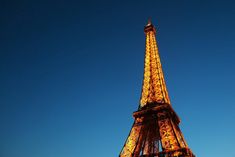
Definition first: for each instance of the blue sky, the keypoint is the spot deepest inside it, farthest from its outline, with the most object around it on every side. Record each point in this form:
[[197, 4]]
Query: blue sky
[[71, 74]]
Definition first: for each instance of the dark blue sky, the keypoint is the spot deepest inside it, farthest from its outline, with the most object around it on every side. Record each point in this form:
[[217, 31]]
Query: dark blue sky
[[71, 74]]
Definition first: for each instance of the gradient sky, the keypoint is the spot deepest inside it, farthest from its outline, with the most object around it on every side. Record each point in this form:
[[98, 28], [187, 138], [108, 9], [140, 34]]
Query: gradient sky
[[71, 74]]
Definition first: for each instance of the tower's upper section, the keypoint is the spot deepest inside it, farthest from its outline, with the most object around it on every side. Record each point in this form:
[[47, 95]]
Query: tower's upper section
[[154, 89]]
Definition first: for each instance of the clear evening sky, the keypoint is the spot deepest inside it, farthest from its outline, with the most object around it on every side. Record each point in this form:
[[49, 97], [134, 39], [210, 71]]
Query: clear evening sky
[[71, 74]]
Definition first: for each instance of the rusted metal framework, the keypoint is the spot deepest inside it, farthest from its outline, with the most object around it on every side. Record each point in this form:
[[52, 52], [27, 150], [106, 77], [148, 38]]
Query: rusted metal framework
[[155, 132]]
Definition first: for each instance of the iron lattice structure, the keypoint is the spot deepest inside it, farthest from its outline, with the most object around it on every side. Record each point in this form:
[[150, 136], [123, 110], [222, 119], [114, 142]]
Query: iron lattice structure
[[155, 132]]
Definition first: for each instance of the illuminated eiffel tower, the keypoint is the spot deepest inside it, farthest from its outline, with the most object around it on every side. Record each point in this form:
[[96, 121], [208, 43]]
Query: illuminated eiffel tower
[[155, 132]]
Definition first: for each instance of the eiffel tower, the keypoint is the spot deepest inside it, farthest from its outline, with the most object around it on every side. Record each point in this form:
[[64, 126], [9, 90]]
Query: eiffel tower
[[155, 132]]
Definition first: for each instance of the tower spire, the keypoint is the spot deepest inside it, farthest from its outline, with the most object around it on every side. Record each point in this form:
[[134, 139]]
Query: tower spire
[[149, 21], [154, 87]]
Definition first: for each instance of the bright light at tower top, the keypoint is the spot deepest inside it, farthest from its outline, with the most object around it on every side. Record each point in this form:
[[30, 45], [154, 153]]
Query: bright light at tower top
[[149, 27]]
